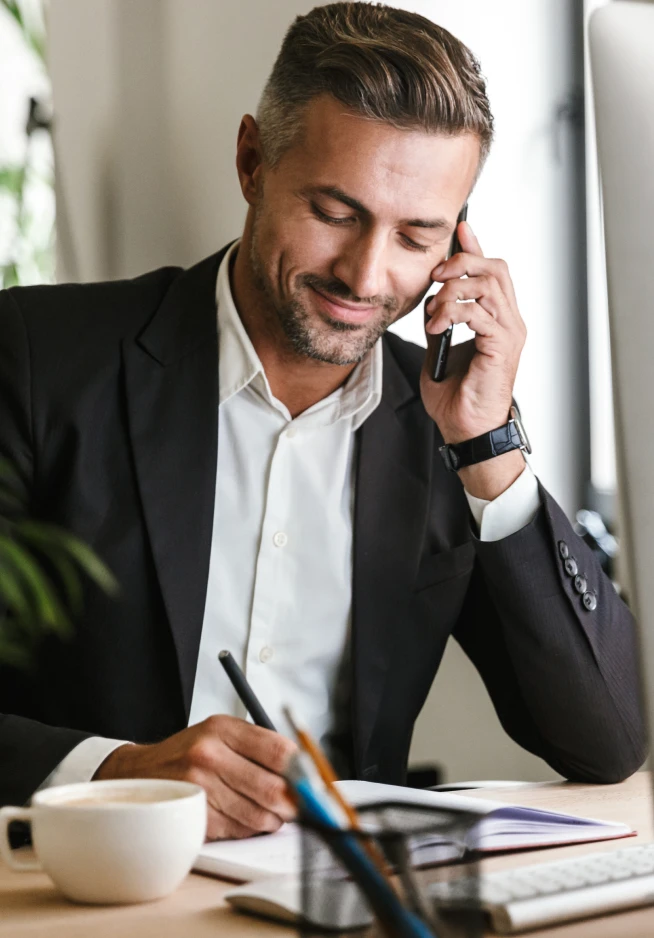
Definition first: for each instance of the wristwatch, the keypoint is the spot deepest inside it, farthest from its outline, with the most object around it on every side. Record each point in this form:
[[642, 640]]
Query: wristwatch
[[495, 443]]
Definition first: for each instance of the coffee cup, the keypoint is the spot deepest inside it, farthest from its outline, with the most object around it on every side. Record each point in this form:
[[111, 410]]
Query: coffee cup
[[129, 840]]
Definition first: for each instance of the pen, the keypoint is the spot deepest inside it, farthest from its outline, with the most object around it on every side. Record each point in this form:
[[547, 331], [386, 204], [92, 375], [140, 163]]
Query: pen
[[244, 691]]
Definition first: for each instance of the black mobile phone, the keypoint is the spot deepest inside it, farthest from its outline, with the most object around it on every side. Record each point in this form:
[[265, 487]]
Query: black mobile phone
[[444, 339]]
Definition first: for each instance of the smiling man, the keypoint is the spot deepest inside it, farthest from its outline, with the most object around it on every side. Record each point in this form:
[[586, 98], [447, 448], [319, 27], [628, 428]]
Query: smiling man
[[267, 470]]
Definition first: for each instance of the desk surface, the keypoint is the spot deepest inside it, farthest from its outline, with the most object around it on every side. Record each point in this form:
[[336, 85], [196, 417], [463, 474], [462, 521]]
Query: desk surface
[[31, 908]]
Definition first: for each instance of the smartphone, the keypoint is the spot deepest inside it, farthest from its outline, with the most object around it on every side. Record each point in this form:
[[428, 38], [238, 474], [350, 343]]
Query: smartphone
[[444, 339]]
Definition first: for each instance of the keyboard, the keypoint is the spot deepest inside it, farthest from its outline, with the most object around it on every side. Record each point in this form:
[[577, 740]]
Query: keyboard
[[548, 893]]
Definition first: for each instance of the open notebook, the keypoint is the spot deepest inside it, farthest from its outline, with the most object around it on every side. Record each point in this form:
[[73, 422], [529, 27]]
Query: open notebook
[[500, 827]]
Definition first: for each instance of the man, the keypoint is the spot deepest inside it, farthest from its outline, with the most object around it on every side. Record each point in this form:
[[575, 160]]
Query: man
[[268, 478]]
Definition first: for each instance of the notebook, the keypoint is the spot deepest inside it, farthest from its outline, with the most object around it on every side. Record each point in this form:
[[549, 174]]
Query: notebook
[[500, 826]]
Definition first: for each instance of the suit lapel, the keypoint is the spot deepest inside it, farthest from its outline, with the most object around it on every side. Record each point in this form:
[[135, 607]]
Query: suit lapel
[[392, 487], [171, 374]]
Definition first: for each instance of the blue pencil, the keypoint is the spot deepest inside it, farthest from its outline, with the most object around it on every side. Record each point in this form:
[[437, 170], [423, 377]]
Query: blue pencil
[[386, 905]]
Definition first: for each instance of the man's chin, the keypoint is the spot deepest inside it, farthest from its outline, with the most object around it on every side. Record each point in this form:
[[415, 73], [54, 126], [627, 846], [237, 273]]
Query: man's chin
[[314, 333], [340, 351]]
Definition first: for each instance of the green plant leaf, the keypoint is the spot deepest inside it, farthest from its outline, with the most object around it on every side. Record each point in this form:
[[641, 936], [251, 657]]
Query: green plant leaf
[[33, 533], [12, 179], [9, 276], [35, 40], [14, 10], [81, 553], [49, 609], [15, 654], [15, 597]]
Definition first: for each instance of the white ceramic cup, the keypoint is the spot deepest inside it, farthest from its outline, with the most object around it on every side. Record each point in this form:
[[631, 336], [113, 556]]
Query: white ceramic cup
[[130, 840]]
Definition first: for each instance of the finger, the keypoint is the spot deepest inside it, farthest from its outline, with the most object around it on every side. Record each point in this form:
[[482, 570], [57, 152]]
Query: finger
[[487, 293], [476, 318], [269, 749], [236, 806], [468, 239], [259, 785], [470, 265], [503, 275], [473, 288], [490, 292], [221, 827]]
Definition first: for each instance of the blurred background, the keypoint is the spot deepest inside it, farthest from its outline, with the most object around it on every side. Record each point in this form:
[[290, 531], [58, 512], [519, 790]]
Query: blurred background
[[118, 123]]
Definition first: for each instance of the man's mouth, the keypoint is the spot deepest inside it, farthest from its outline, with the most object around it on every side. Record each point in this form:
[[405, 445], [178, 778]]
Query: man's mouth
[[345, 312]]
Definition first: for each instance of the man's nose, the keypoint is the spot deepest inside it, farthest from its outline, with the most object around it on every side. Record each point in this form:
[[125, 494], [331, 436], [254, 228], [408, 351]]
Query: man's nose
[[362, 266]]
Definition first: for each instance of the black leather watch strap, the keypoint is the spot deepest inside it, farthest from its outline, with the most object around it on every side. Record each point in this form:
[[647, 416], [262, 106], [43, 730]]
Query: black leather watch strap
[[495, 443]]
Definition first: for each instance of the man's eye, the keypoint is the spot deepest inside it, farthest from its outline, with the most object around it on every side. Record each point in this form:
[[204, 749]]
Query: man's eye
[[414, 246], [330, 219]]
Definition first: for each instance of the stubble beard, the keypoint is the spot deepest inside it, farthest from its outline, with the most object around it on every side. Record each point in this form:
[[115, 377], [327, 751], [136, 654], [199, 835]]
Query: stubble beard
[[330, 341]]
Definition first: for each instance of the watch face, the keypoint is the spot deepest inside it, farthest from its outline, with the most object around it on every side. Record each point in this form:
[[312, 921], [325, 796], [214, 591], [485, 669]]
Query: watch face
[[521, 430]]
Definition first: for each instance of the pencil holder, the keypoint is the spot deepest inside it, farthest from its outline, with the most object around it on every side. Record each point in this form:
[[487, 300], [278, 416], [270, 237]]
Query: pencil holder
[[377, 882]]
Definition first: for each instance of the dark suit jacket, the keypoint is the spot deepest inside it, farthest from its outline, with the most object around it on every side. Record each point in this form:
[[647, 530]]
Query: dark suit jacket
[[108, 404]]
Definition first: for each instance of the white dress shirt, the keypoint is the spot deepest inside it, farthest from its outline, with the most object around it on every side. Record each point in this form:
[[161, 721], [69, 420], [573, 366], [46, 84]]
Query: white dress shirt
[[279, 590], [280, 569]]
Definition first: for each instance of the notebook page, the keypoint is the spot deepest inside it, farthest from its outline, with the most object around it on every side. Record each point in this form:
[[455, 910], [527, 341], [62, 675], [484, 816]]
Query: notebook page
[[254, 857], [500, 827]]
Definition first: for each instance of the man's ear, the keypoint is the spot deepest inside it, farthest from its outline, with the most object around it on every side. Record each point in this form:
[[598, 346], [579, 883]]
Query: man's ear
[[249, 159]]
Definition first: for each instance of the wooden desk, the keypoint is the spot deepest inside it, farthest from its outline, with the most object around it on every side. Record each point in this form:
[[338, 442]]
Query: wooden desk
[[31, 908]]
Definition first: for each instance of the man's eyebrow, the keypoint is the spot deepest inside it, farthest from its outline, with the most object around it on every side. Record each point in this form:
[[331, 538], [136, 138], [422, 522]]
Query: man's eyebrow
[[333, 192]]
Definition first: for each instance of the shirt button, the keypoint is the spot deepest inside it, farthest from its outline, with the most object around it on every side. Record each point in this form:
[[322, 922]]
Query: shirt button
[[581, 584], [571, 567], [564, 550], [266, 654], [590, 601], [291, 432], [280, 539]]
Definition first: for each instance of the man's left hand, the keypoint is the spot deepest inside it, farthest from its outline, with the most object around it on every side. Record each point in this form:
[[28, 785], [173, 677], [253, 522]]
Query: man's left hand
[[476, 395]]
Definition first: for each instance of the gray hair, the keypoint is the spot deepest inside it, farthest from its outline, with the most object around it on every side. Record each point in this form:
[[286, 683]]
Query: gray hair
[[383, 63]]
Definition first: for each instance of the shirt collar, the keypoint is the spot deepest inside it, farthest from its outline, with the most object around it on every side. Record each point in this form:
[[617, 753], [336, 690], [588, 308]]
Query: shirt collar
[[240, 367]]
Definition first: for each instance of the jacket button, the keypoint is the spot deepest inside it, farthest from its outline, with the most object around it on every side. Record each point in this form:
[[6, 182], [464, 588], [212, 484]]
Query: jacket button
[[571, 567], [580, 583], [589, 600], [564, 550]]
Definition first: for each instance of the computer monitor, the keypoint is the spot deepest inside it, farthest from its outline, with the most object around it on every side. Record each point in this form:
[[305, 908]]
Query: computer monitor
[[622, 66]]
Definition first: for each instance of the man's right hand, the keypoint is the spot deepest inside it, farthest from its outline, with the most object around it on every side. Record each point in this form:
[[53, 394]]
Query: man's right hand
[[238, 765]]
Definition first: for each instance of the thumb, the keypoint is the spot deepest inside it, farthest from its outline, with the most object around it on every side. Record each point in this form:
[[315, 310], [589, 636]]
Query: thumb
[[468, 240]]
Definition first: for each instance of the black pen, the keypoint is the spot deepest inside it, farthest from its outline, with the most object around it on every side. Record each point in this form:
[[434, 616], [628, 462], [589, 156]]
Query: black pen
[[244, 691]]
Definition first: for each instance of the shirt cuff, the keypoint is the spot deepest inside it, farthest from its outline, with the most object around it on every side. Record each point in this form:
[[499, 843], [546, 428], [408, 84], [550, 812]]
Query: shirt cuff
[[82, 762], [510, 511]]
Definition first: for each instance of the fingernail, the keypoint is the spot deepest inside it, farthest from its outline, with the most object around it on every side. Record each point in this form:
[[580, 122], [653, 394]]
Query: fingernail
[[439, 270]]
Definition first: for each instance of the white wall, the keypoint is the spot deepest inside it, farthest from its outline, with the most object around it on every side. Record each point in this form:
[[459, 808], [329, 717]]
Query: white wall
[[146, 146], [147, 140]]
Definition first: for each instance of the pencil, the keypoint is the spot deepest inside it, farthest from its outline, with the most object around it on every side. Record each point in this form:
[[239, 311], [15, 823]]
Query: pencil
[[393, 917], [248, 697], [329, 776]]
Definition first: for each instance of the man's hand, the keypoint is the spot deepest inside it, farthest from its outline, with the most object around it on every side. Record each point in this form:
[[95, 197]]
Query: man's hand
[[476, 395], [239, 766]]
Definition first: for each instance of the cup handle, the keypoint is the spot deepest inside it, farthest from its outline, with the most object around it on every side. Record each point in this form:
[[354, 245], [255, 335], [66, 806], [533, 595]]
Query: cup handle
[[9, 856]]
